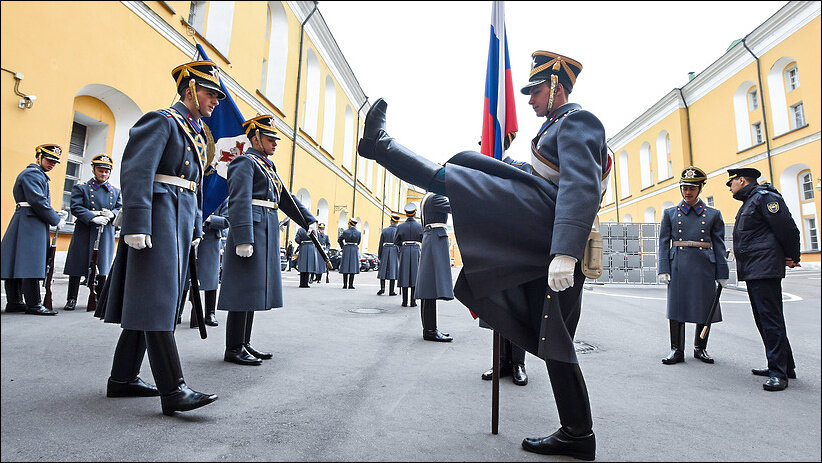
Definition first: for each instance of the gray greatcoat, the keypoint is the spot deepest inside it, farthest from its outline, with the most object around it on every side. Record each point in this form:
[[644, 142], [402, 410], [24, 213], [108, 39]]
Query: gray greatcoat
[[145, 287], [693, 270], [325, 242], [408, 238], [87, 201], [27, 236], [255, 283], [208, 251], [389, 254], [434, 280], [349, 241], [307, 257]]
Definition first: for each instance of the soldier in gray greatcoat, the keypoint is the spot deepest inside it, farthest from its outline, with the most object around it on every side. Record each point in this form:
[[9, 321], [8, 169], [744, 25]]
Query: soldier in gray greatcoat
[[692, 262], [434, 278], [408, 239], [307, 262], [550, 212], [325, 243], [23, 254], [215, 228], [389, 256], [349, 241], [95, 204], [162, 169], [252, 279]]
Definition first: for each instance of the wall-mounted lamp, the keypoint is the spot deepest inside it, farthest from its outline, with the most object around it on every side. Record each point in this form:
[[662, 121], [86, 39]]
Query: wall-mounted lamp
[[341, 208], [27, 101]]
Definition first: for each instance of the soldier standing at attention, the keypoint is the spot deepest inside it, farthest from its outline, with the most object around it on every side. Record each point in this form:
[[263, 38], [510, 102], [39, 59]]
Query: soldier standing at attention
[[94, 204], [766, 241], [550, 212], [388, 253], [325, 242], [23, 260], [691, 262], [307, 263], [252, 279], [208, 259], [349, 241], [162, 220], [408, 239], [434, 278]]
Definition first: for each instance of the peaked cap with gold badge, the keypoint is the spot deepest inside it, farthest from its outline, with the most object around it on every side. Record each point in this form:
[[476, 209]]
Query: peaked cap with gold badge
[[49, 151], [102, 160], [693, 176], [203, 73], [260, 125], [545, 64]]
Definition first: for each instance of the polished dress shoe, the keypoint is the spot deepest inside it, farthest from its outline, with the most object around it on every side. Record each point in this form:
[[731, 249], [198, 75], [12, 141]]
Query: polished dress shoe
[[518, 374], [184, 399], [381, 292], [702, 354], [504, 370], [70, 304], [562, 443], [393, 293], [435, 335], [15, 307], [766, 372], [135, 388], [240, 356], [211, 319], [40, 310], [775, 383], [676, 356], [258, 354]]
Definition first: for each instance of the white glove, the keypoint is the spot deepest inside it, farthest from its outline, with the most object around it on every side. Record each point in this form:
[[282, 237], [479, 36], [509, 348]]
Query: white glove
[[138, 240], [108, 213], [664, 278], [312, 227], [561, 272], [61, 224], [723, 282], [245, 250], [195, 242], [100, 220]]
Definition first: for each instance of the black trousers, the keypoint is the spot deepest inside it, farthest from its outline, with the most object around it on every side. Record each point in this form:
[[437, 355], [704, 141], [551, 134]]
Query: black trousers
[[766, 303]]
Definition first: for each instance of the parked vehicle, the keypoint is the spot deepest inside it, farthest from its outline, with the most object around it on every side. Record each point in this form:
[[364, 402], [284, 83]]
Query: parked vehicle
[[335, 256], [283, 260]]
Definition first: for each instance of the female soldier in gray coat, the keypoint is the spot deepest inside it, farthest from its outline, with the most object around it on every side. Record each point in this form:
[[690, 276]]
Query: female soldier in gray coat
[[252, 279], [208, 259], [434, 278], [94, 204], [349, 242], [389, 256], [408, 238], [692, 262], [307, 261]]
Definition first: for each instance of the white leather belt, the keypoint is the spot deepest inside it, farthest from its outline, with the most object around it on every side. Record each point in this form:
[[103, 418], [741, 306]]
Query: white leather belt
[[264, 203], [23, 204], [350, 243], [389, 244], [410, 243], [176, 181], [435, 225]]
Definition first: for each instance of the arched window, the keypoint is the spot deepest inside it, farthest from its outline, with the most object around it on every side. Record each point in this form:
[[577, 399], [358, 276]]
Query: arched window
[[274, 67], [322, 211], [329, 115], [305, 198], [369, 175], [624, 181], [218, 28], [650, 215], [359, 225], [748, 131], [312, 100], [667, 205], [627, 218], [664, 166], [609, 192], [364, 242], [342, 225], [783, 81], [348, 144], [645, 174]]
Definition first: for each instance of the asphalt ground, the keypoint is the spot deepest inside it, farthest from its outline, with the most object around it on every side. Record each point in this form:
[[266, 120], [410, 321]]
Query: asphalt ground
[[353, 380]]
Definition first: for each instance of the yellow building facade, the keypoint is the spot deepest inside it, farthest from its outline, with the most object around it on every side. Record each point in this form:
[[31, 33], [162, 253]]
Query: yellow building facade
[[758, 105], [83, 82]]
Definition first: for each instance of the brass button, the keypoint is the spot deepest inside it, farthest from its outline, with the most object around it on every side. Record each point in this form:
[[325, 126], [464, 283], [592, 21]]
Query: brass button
[[703, 231], [680, 248], [548, 296], [181, 190], [680, 231], [701, 239], [543, 339], [703, 222], [546, 316], [679, 215], [680, 223], [188, 148], [182, 176], [186, 162]]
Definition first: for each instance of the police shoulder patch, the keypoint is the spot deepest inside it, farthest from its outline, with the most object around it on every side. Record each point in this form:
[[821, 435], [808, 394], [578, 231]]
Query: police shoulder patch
[[773, 207]]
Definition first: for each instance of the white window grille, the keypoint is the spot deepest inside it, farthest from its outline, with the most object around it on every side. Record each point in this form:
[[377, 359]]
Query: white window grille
[[756, 131], [797, 115], [709, 201], [753, 100], [811, 234], [74, 164], [807, 186], [792, 78]]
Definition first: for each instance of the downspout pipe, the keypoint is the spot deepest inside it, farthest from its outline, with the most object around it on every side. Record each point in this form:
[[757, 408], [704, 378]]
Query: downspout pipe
[[382, 200], [762, 105], [357, 159], [297, 107], [616, 181], [688, 124]]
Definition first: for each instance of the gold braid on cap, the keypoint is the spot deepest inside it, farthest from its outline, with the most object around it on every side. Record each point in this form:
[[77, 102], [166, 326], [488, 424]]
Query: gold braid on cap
[[554, 80], [556, 63], [193, 86]]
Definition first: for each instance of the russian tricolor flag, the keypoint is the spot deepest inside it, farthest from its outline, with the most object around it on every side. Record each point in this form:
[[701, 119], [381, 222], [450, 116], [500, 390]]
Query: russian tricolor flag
[[499, 119]]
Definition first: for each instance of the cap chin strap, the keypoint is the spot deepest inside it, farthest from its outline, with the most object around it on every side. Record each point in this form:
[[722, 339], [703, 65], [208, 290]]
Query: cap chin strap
[[554, 80], [193, 86]]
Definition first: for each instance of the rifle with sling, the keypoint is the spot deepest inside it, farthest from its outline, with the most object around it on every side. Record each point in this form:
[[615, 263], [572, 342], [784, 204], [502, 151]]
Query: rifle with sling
[[50, 255], [91, 281], [196, 302], [312, 234], [714, 305]]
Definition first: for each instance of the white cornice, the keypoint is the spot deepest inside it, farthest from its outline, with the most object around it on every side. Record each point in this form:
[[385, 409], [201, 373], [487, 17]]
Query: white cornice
[[660, 110]]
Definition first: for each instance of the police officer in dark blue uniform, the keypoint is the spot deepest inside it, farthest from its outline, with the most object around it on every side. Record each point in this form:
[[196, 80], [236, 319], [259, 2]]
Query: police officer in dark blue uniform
[[550, 212], [325, 243], [388, 253], [434, 277], [766, 240], [692, 262], [162, 170], [23, 259], [349, 241], [209, 261], [95, 204], [408, 240]]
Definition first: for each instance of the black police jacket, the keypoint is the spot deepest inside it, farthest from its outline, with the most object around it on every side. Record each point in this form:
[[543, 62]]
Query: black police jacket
[[764, 234]]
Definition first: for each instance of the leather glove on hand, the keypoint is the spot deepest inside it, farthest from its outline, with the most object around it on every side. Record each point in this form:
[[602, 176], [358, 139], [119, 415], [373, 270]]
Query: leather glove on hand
[[138, 240], [723, 282], [100, 220], [195, 242], [245, 250], [61, 224], [664, 278], [561, 272], [108, 213], [63, 214], [312, 227]]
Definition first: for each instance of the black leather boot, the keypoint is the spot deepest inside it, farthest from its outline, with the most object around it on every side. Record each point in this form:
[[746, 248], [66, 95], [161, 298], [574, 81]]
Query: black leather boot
[[391, 291], [518, 374], [31, 293], [677, 354], [249, 322], [235, 351], [428, 312], [413, 301], [351, 281], [701, 344], [211, 307], [73, 290], [304, 280], [125, 368], [382, 288], [175, 395], [345, 280], [14, 295], [405, 297], [575, 438], [378, 145]]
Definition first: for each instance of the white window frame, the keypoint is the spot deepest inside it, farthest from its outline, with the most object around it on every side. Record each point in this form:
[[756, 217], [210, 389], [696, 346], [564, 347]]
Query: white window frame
[[791, 83], [812, 233], [709, 201], [753, 100], [798, 115], [806, 184], [756, 133]]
